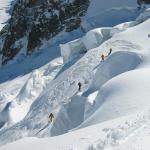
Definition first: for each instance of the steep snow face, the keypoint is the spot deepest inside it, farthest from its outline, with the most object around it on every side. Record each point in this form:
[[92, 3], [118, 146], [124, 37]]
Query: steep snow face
[[108, 14], [29, 92], [15, 106], [92, 39], [32, 88], [72, 50], [131, 38], [96, 37], [115, 64], [123, 95]]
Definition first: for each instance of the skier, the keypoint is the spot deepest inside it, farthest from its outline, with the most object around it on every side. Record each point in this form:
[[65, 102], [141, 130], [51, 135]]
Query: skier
[[102, 57], [79, 84], [51, 117], [110, 51]]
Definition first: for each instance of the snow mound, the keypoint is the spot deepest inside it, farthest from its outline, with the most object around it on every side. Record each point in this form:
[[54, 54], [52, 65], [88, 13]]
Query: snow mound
[[27, 92], [116, 64], [129, 132], [32, 88], [123, 95], [19, 106]]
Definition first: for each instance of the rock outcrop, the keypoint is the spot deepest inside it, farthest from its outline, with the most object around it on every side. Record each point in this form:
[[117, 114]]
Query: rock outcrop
[[35, 20]]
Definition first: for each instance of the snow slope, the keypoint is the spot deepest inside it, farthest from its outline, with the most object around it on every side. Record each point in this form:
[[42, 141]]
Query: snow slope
[[59, 92], [23, 91], [123, 95], [114, 12], [125, 133]]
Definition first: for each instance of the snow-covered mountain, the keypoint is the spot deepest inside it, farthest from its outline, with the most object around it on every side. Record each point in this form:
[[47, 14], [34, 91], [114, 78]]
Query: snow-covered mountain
[[111, 111], [33, 22]]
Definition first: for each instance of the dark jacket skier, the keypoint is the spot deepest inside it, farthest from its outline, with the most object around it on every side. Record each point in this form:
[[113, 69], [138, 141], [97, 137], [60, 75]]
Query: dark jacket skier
[[110, 51], [79, 84], [102, 57], [51, 117]]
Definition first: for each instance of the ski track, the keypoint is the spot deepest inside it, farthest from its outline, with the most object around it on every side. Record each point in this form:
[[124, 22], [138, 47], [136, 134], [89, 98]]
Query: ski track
[[115, 137]]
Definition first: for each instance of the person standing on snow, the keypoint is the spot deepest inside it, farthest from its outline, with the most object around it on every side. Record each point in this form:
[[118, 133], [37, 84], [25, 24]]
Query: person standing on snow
[[79, 84], [110, 51], [102, 57], [51, 117]]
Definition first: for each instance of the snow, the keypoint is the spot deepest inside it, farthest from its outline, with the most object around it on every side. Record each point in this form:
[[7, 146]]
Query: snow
[[113, 13], [92, 97], [92, 39], [4, 12], [120, 96], [115, 64], [96, 37], [133, 36], [98, 6], [129, 132], [10, 89], [27, 89], [112, 109]]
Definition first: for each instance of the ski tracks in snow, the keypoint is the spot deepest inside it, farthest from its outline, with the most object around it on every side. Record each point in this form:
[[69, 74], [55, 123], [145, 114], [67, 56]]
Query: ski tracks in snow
[[118, 136]]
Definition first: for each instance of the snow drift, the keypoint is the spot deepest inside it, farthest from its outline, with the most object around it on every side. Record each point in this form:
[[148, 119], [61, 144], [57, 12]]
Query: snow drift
[[123, 95]]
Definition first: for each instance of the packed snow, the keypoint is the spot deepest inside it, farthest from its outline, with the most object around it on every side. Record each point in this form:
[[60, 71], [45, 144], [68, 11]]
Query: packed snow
[[125, 133], [111, 111], [114, 12]]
